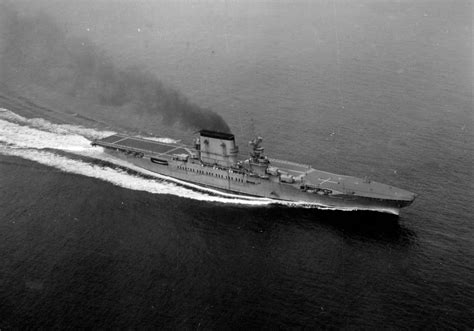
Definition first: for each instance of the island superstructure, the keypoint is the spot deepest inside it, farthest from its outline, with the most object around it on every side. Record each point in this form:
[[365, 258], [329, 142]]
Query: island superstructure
[[213, 161]]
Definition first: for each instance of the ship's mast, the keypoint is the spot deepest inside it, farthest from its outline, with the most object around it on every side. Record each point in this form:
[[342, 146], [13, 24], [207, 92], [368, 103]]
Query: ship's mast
[[257, 151], [258, 162]]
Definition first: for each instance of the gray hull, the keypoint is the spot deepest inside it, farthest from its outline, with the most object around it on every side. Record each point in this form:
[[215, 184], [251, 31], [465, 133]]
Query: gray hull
[[231, 181]]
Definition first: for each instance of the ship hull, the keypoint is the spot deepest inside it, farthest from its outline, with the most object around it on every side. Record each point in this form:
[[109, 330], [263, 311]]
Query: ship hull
[[228, 181]]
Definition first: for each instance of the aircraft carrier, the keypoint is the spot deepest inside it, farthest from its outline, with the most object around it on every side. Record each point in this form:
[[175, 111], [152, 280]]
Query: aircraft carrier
[[213, 161]]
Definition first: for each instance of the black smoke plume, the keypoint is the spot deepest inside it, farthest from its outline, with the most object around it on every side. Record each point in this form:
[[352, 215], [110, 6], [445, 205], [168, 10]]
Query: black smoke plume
[[35, 48]]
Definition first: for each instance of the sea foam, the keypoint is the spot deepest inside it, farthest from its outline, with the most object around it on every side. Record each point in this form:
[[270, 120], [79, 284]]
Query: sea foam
[[48, 143]]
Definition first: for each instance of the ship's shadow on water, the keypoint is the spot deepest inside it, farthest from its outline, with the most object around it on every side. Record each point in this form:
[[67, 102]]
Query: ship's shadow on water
[[359, 225]]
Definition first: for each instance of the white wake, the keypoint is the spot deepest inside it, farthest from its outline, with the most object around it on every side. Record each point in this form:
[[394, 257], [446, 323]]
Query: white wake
[[47, 143]]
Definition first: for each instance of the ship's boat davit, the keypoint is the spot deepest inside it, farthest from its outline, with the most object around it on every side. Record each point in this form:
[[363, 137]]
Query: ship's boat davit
[[213, 161]]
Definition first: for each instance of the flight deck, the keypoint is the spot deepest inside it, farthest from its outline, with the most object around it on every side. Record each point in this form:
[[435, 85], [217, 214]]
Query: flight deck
[[141, 145]]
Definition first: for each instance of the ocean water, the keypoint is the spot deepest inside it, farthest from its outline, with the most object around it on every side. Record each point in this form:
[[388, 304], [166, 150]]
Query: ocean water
[[377, 89]]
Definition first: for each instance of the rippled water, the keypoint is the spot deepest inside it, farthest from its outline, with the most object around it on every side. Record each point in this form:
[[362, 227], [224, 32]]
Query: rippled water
[[375, 88]]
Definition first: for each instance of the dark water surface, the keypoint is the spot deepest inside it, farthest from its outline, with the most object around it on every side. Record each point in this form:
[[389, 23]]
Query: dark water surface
[[378, 89], [79, 252]]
